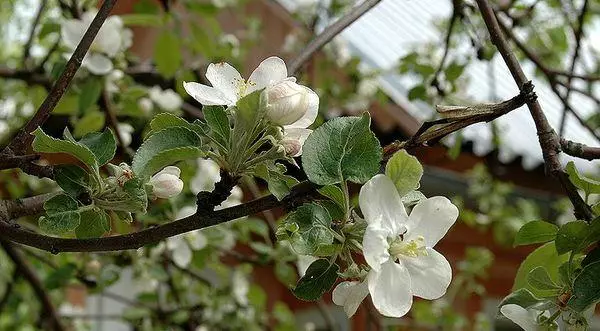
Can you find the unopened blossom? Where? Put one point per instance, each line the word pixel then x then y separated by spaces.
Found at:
pixel 146 105
pixel 166 183
pixel 183 245
pixel 111 39
pixel 168 99
pixel 399 250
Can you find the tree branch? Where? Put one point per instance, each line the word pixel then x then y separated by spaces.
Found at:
pixel 36 22
pixel 548 138
pixel 580 150
pixel 19 144
pixel 329 33
pixel 11 209
pixel 25 270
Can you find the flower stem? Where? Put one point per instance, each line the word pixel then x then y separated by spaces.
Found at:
pixel 346 202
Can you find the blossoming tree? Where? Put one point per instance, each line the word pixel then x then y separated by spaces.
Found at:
pixel 165 190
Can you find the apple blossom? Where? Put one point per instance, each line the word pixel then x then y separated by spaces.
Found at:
pixel 166 183
pixel 525 318
pixel 145 104
pixel 398 248
pixel 125 129
pixel 181 246
pixel 112 38
pixel 167 99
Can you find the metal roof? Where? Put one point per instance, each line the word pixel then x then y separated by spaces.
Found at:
pixel 392 29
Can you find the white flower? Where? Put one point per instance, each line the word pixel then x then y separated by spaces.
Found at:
pixel 112 79
pixel 145 104
pixel 125 130
pixel 350 295
pixel 228 87
pixel 240 287
pixel 110 40
pixel 181 246
pixel 207 175
pixel 167 99
pixel 398 248
pixel 166 183
pixel 525 318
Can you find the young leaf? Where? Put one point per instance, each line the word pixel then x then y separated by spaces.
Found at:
pixel 589 186
pixel 72 179
pixel 342 149
pixel 218 122
pixel 570 236
pixel 335 194
pixel 319 278
pixel 544 256
pixel 249 111
pixel 535 232
pixel 540 279
pixel 310 227
pixel 586 288
pixel 94 223
pixel 92 121
pixel 90 93
pixel 167 120
pixel 591 257
pixel 405 171
pixel 46 144
pixel 102 144
pixel 521 297
pixel 279 184
pixel 167 54
pixel 164 148
pixel 62 215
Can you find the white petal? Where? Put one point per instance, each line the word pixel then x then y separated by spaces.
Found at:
pixel 171 170
pixel 430 275
pixel 311 112
pixel 431 218
pixel 270 71
pixel 181 252
pixel 196 239
pixel 71 32
pixel 206 95
pixel 226 79
pixel 98 64
pixel 379 201
pixel 186 211
pixel 520 316
pixel 376 246
pixel 296 135
pixel 390 289
pixel 108 39
pixel 350 295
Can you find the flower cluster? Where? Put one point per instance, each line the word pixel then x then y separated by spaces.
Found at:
pixel 289 105
pixel 399 249
pixel 112 39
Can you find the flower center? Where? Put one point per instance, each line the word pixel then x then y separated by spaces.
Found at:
pixel 412 248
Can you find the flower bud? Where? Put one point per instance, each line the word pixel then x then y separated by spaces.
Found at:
pixel 146 105
pixel 287 102
pixel 166 183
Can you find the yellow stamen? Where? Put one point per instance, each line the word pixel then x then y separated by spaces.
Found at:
pixel 413 248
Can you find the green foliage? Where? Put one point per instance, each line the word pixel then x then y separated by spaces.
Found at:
pixel 218 123
pixel 589 186
pixel 319 278
pixel 62 215
pixel 521 297
pixel 94 223
pixel 90 93
pixel 102 144
pixel 540 279
pixel 586 288
pixel 308 229
pixel 279 184
pixel 92 121
pixel 167 120
pixel 405 171
pixel 343 149
pixel 163 148
pixel 535 232
pixel 544 256
pixel 142 20
pixel 72 179
pixel 167 54
pixel 570 236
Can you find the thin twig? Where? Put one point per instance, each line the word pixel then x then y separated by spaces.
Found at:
pixel 329 33
pixel 25 270
pixel 112 117
pixel 580 150
pixel 548 138
pixel 20 143
pixel 456 13
pixel 34 25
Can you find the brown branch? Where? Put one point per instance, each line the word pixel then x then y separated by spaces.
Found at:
pixel 548 139
pixel 456 13
pixel 329 33
pixel 36 22
pixel 25 270
pixel 19 144
pixel 580 150
pixel 11 209
pixel 30 77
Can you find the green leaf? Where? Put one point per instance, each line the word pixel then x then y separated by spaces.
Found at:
pixel 279 184
pixel 167 120
pixel 454 70
pixel 335 194
pixel 319 278
pixel 586 288
pixel 570 236
pixel 68 105
pixel 167 54
pixel 405 171
pixel 310 227
pixel 591 257
pixel 142 20
pixel 589 186
pixel 218 122
pixel 92 121
pixel 130 198
pixel 249 111
pixel 521 297
pixel 540 279
pixel 94 223
pixel 342 149
pixel 418 92
pixel 102 144
pixel 60 277
pixel 535 232
pixel 45 144
pixel 72 179
pixel 90 93
pixel 544 256
pixel 285 273
pixel 164 148
pixel 62 215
